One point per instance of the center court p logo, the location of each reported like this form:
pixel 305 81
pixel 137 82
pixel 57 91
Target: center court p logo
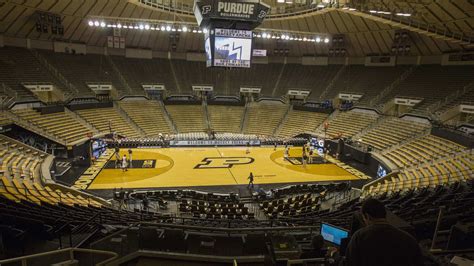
pixel 223 162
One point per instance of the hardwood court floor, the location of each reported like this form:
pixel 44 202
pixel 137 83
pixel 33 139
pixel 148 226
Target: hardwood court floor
pixel 186 167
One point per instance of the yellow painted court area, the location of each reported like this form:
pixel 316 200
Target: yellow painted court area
pixel 186 167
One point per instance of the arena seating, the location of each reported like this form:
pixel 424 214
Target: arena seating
pixel 263 118
pixel 290 206
pixel 443 171
pixel 138 71
pixel 190 136
pixel 215 210
pixel 368 81
pixel 226 81
pixel 349 123
pixel 4 119
pixel 21 178
pixel 190 73
pixel 225 118
pixel 188 118
pixel 17 66
pixel 104 118
pixel 262 76
pixel 391 131
pixel 312 78
pixel 466 98
pixel 235 136
pixel 298 122
pixel 148 115
pixel 432 83
pixel 62 125
pixel 421 207
pixel 80 69
pixel 423 149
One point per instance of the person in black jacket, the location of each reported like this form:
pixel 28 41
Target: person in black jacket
pixel 379 243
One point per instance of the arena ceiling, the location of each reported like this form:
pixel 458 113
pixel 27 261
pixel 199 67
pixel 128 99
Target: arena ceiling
pixel 435 26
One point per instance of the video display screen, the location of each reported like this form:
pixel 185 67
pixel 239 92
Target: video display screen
pixel 232 48
pixel 318 145
pixel 333 234
pixel 208 48
pixel 381 172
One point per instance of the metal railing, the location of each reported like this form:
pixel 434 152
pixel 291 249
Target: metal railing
pixel 70 252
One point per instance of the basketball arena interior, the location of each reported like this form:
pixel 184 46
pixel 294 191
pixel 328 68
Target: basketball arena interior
pixel 236 132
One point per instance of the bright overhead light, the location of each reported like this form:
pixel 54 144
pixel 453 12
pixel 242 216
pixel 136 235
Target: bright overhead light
pixel 321 6
pixel 204 30
pixel 168 28
pixel 326 40
pixel 372 11
pixel 352 9
pixel 141 26
pixel 184 29
pixel 318 39
pixel 199 31
pixel 153 28
pixel 264 35
pixel 102 24
pixel 194 31
pixel 119 25
pixel 91 23
pixel 403 14
pixel 280 1
pixel 259 36
pixel 136 27
pixel 96 23
pixel 147 27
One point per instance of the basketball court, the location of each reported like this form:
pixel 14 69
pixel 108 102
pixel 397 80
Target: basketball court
pixel 194 167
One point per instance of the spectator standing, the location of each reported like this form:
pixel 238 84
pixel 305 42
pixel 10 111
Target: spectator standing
pixel 379 243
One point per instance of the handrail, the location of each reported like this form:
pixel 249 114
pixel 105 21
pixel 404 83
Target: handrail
pixel 24 259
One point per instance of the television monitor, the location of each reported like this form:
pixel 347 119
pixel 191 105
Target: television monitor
pixel 381 171
pixel 228 48
pixel 333 234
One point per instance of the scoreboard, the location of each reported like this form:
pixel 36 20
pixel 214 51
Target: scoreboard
pixel 228 48
pixel 228 28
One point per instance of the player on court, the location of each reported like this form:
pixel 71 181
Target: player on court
pixel 286 154
pixel 124 163
pixel 247 151
pixel 310 158
pixel 304 157
pixel 250 178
